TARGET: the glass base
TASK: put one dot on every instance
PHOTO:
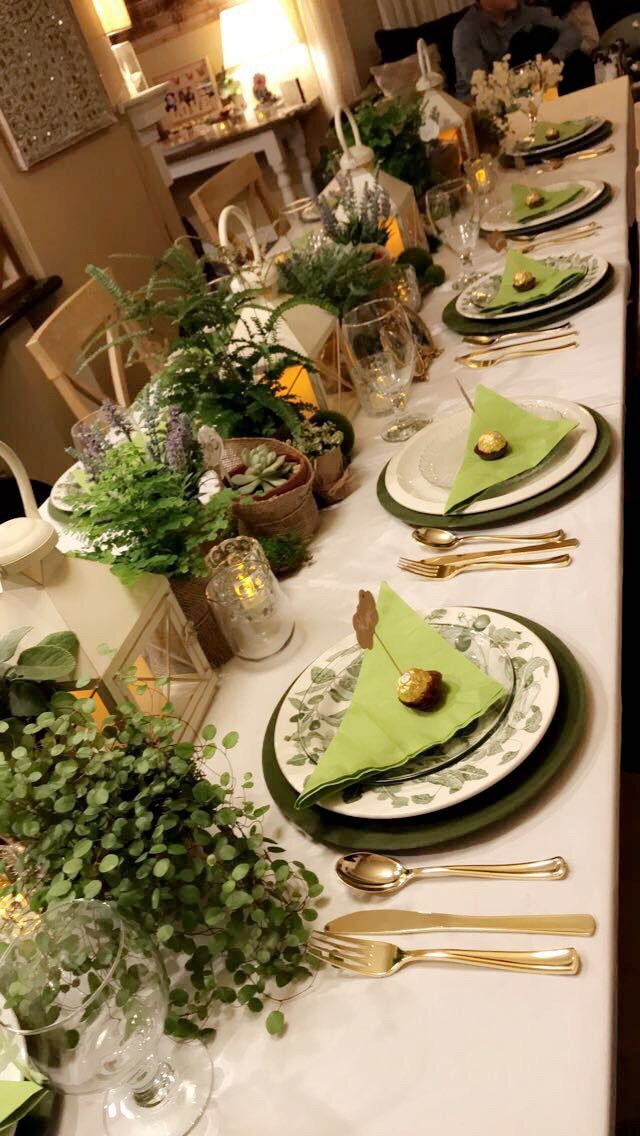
(467, 277)
(404, 428)
(178, 1107)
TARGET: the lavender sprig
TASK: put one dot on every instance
(117, 418)
(179, 441)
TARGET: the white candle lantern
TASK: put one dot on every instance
(443, 116)
(406, 229)
(119, 628)
(247, 600)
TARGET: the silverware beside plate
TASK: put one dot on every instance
(447, 571)
(443, 538)
(394, 922)
(377, 873)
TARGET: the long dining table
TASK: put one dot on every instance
(442, 1049)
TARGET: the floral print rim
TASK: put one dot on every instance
(529, 715)
(595, 269)
(499, 218)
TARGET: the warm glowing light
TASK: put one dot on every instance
(254, 30)
(481, 178)
(395, 243)
(114, 16)
(295, 381)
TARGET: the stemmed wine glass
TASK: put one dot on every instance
(382, 352)
(526, 85)
(454, 212)
(90, 994)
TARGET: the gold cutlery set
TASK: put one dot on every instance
(525, 344)
(498, 241)
(502, 559)
(373, 873)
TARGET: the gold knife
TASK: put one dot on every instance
(460, 557)
(393, 922)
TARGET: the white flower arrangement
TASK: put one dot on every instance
(492, 91)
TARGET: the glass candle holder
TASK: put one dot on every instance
(247, 600)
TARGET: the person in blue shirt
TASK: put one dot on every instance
(485, 33)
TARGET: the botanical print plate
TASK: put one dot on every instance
(487, 287)
(421, 474)
(591, 127)
(64, 487)
(500, 219)
(313, 710)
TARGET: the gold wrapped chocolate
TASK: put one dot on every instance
(491, 446)
(421, 690)
(524, 281)
(534, 199)
(551, 133)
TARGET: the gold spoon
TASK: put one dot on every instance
(443, 538)
(556, 163)
(481, 340)
(478, 364)
(371, 872)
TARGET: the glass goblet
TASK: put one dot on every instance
(482, 175)
(526, 85)
(90, 994)
(382, 352)
(454, 212)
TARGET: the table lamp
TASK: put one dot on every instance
(254, 33)
(115, 18)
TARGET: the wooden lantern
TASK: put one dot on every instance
(140, 627)
(406, 228)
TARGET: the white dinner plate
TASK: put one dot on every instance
(313, 708)
(64, 487)
(500, 218)
(421, 474)
(593, 126)
(469, 304)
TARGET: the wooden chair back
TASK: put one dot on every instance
(58, 343)
(240, 178)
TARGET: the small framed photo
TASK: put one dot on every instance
(192, 94)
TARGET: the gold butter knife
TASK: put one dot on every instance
(407, 922)
(491, 553)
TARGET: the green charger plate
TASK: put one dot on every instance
(532, 505)
(571, 146)
(603, 198)
(465, 326)
(555, 749)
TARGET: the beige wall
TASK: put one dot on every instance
(362, 19)
(181, 50)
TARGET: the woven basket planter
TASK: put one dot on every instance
(291, 508)
(327, 469)
(190, 594)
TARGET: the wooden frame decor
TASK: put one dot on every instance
(192, 94)
(50, 92)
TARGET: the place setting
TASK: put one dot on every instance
(534, 209)
(555, 140)
(422, 727)
(494, 459)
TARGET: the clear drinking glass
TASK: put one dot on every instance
(454, 212)
(527, 88)
(90, 994)
(407, 289)
(382, 353)
(247, 600)
(482, 175)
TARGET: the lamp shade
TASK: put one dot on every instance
(254, 30)
(114, 16)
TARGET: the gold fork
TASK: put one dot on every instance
(377, 960)
(477, 364)
(567, 235)
(538, 339)
(534, 245)
(446, 571)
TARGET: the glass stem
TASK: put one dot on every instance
(151, 1089)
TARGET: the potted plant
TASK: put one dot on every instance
(126, 813)
(329, 274)
(322, 442)
(140, 509)
(273, 483)
(365, 222)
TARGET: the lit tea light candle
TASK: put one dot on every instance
(246, 599)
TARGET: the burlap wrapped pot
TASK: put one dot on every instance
(290, 508)
(190, 594)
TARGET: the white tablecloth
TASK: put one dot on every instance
(441, 1050)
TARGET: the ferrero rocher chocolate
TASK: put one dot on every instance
(422, 690)
(551, 133)
(534, 199)
(524, 281)
(491, 446)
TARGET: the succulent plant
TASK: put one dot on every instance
(264, 470)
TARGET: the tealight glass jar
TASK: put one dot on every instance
(247, 600)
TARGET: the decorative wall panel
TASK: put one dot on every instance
(50, 92)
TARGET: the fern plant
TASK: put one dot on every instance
(334, 276)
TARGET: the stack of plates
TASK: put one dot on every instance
(481, 775)
(595, 194)
(416, 483)
(594, 132)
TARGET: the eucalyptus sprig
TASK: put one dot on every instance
(128, 814)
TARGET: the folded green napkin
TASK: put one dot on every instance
(566, 130)
(553, 199)
(530, 440)
(17, 1098)
(377, 732)
(549, 281)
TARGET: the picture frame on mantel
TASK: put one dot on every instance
(192, 94)
(51, 95)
